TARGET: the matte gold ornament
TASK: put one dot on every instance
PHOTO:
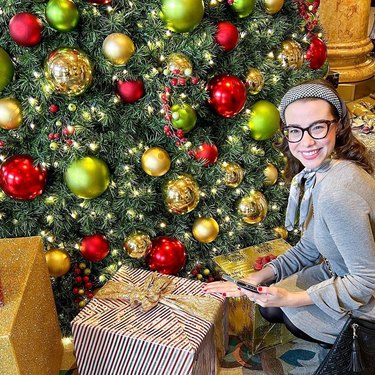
(233, 174)
(280, 232)
(254, 81)
(58, 262)
(291, 54)
(271, 174)
(156, 161)
(10, 113)
(137, 244)
(181, 195)
(178, 62)
(118, 48)
(273, 6)
(68, 71)
(205, 229)
(253, 208)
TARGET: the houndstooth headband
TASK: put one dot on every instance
(311, 90)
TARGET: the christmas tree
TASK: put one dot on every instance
(143, 132)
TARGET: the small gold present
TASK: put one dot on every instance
(245, 320)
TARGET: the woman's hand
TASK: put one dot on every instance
(226, 288)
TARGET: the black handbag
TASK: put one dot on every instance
(353, 352)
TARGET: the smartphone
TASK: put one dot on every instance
(241, 283)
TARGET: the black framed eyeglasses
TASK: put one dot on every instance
(317, 130)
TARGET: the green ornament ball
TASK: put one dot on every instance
(264, 120)
(181, 15)
(243, 8)
(183, 117)
(62, 15)
(87, 177)
(6, 69)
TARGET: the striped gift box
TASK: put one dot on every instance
(113, 337)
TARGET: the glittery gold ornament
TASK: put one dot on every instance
(179, 63)
(137, 244)
(181, 195)
(254, 81)
(10, 113)
(280, 232)
(273, 6)
(233, 174)
(271, 174)
(253, 208)
(58, 262)
(156, 161)
(205, 229)
(291, 54)
(68, 71)
(118, 48)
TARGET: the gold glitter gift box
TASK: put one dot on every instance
(30, 338)
(245, 320)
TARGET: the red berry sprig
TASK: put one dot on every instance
(307, 10)
(83, 285)
(203, 273)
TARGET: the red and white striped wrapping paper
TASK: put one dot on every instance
(112, 338)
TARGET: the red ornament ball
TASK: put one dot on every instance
(130, 91)
(316, 53)
(94, 247)
(26, 29)
(226, 35)
(227, 95)
(207, 153)
(167, 255)
(21, 179)
(53, 108)
(99, 2)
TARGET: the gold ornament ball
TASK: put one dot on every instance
(181, 195)
(273, 6)
(68, 71)
(137, 244)
(233, 174)
(58, 262)
(179, 62)
(253, 208)
(118, 48)
(254, 81)
(280, 232)
(10, 113)
(291, 54)
(271, 174)
(156, 161)
(205, 229)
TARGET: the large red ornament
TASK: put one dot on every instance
(316, 53)
(94, 248)
(26, 29)
(207, 153)
(226, 35)
(130, 91)
(99, 2)
(167, 255)
(227, 95)
(21, 179)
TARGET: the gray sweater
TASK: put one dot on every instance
(342, 229)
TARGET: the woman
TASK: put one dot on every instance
(337, 217)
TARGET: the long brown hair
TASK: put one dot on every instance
(347, 146)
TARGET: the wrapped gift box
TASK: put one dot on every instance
(184, 332)
(30, 339)
(245, 320)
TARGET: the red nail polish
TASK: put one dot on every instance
(224, 294)
(259, 288)
(239, 288)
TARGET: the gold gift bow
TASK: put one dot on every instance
(157, 289)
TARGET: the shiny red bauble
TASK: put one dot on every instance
(226, 35)
(316, 53)
(130, 91)
(21, 179)
(99, 2)
(94, 247)
(227, 95)
(26, 29)
(207, 153)
(167, 255)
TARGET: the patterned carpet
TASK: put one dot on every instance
(298, 357)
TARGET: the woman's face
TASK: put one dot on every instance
(309, 151)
